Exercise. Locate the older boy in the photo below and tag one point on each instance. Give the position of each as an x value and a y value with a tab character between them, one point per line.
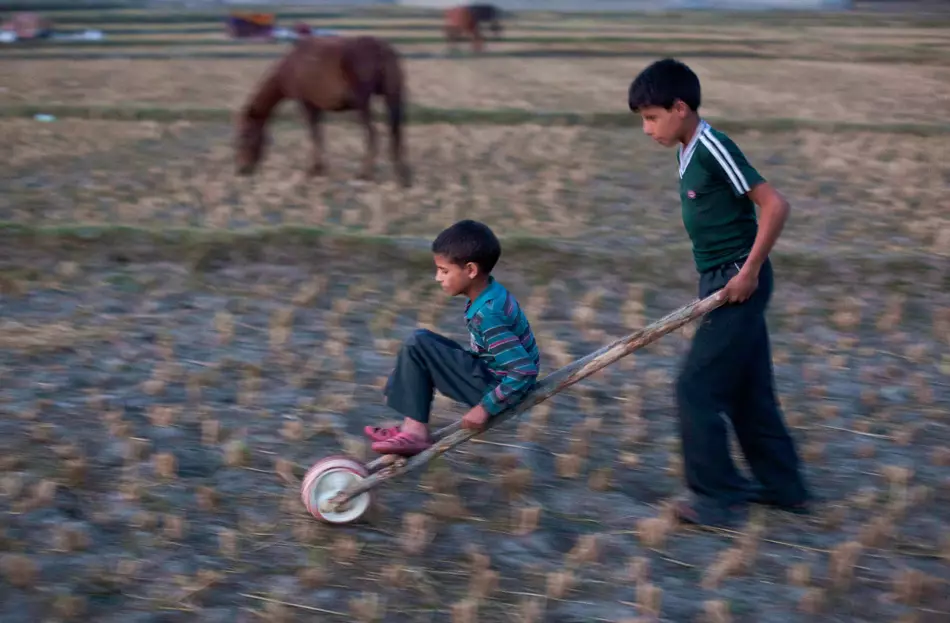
728	371
501	366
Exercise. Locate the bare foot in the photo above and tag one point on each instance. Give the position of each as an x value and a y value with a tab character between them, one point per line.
414	428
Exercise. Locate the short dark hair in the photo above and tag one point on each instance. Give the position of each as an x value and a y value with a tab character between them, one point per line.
469	241
662	83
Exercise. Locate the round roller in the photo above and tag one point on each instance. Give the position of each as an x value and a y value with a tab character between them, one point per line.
325	479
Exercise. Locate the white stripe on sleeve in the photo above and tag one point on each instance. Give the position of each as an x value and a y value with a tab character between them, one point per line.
721	154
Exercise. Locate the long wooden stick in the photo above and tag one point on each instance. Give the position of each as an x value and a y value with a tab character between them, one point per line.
453	434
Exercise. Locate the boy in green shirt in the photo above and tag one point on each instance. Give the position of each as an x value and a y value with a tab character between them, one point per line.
728	370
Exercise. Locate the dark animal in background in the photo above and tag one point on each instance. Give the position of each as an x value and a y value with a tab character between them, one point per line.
487	14
28	26
466	21
329	74
247	25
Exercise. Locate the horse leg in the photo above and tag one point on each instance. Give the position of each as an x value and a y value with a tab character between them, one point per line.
477	38
313	115
451	36
366	117
396	149
496	29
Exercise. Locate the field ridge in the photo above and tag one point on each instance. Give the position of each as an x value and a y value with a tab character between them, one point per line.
300	244
461	116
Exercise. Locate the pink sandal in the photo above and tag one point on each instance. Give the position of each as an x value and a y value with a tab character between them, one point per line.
377	433
402	444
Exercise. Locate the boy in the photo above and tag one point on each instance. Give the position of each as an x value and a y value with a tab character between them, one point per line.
728	371
502	365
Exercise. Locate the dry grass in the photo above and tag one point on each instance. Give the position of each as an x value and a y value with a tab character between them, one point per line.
823	40
434	48
854	190
81	139
171	35
512	31
733	88
51	337
872	35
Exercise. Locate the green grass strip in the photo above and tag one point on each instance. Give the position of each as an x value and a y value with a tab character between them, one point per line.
131	42
209	249
119	13
348	25
928	59
422	115
224	50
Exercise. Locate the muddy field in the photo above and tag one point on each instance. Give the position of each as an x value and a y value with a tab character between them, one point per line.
149	450
177	345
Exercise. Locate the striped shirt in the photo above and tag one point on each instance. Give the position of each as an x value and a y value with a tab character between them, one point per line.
501	336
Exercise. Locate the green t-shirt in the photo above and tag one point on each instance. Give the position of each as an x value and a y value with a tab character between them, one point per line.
719	217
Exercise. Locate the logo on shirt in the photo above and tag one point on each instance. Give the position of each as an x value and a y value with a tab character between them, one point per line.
691	194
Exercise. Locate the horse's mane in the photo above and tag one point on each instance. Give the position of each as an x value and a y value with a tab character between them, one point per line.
268	94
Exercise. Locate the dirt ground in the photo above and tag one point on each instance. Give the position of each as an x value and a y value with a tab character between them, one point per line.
151	413
176	345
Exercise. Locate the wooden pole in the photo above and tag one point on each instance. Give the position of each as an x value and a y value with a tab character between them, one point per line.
453	434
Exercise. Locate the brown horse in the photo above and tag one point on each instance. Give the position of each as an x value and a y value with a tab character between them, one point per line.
328	74
465	21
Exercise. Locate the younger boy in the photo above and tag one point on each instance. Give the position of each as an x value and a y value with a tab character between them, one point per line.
501	366
728	371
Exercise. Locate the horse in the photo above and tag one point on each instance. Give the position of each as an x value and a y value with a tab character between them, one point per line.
328	74
465	21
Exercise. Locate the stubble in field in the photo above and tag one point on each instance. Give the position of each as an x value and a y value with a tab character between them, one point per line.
862	192
164	424
735	88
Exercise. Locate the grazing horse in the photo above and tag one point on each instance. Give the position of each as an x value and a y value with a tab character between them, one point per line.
328	74
466	20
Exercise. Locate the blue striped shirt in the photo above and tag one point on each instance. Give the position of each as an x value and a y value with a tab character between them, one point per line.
501	336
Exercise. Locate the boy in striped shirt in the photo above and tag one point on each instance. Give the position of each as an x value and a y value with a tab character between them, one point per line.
728	371
500	367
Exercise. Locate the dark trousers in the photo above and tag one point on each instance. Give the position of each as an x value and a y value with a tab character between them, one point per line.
428	361
728	374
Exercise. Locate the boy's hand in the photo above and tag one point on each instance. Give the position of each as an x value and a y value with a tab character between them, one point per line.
476	418
741	287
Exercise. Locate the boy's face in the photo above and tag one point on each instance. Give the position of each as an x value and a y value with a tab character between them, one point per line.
665	126
453	278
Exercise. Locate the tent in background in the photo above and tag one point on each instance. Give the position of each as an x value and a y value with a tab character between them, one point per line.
28	26
243	25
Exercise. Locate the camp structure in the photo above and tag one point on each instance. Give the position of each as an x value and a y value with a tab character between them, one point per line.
27	26
245	25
